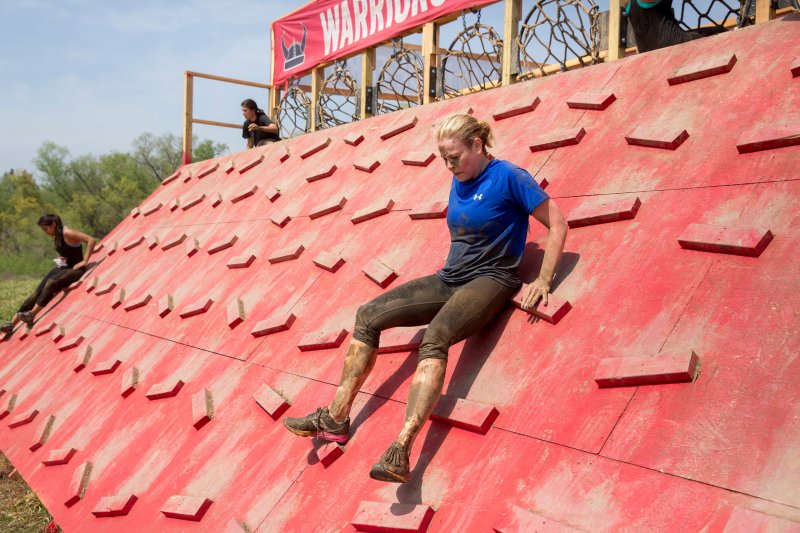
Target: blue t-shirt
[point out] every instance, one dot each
(488, 221)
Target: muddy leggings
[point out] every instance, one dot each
(453, 312)
(56, 280)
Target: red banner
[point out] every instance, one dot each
(324, 30)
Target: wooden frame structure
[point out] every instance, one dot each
(431, 54)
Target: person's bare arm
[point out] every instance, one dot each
(550, 217)
(78, 236)
(272, 128)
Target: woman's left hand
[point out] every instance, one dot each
(532, 292)
(79, 265)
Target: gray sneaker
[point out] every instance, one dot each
(319, 424)
(6, 328)
(27, 318)
(393, 466)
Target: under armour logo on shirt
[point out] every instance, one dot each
(478, 197)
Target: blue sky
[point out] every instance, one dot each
(93, 75)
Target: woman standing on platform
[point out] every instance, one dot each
(70, 266)
(488, 212)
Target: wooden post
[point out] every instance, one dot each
(188, 92)
(765, 11)
(367, 71)
(430, 58)
(274, 102)
(615, 51)
(317, 77)
(513, 12)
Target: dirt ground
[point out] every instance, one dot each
(20, 509)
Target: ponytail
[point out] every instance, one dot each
(46, 220)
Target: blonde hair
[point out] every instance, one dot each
(466, 129)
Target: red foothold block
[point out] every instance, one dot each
(152, 242)
(316, 148)
(236, 313)
(192, 201)
(354, 139)
(373, 211)
(379, 273)
(83, 359)
(465, 414)
(74, 342)
(328, 452)
(106, 367)
(12, 401)
(168, 389)
(197, 308)
(174, 204)
(246, 193)
(165, 305)
(795, 68)
(272, 194)
(77, 488)
(135, 212)
(419, 159)
(44, 330)
(92, 285)
(216, 199)
(172, 177)
(58, 333)
(274, 324)
(47, 428)
(173, 242)
(118, 299)
(286, 254)
(327, 209)
(657, 137)
(367, 165)
(554, 311)
(223, 245)
(228, 166)
(149, 210)
(99, 247)
(401, 340)
(594, 101)
(284, 155)
(404, 124)
(321, 173)
(133, 244)
(725, 240)
(322, 340)
(22, 419)
(652, 370)
(118, 505)
(112, 248)
(241, 261)
(428, 211)
(250, 163)
(515, 109)
(280, 219)
(558, 139)
(271, 401)
(105, 289)
(703, 69)
(329, 261)
(141, 301)
(768, 139)
(186, 507)
(59, 457)
(130, 382)
(384, 517)
(592, 213)
(192, 247)
(208, 170)
(202, 408)
(188, 178)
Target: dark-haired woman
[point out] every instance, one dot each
(70, 266)
(258, 129)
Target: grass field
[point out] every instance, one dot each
(13, 290)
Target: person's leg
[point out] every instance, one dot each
(55, 284)
(24, 313)
(412, 304)
(470, 308)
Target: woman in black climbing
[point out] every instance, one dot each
(491, 202)
(70, 266)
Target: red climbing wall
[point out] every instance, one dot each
(150, 397)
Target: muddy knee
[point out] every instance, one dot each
(364, 329)
(435, 344)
